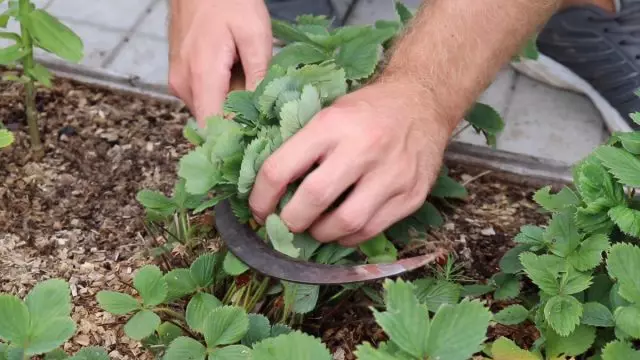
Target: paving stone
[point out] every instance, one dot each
(145, 57)
(550, 123)
(115, 14)
(155, 23)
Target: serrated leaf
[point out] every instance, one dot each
(296, 114)
(359, 58)
(563, 313)
(628, 220)
(540, 272)
(505, 349)
(185, 348)
(280, 329)
(405, 320)
(300, 298)
(617, 350)
(435, 293)
(142, 324)
(156, 200)
(240, 102)
(333, 253)
(306, 244)
(203, 268)
(508, 286)
(231, 352)
(47, 300)
(627, 318)
(379, 250)
(200, 174)
(10, 54)
(511, 315)
(179, 283)
(292, 346)
(280, 236)
(464, 324)
(596, 314)
(630, 141)
(562, 233)
(250, 166)
(117, 303)
(299, 54)
(429, 215)
(50, 334)
(327, 78)
(476, 290)
(167, 332)
(556, 202)
(259, 329)
(589, 254)
(199, 308)
(55, 354)
(623, 166)
(14, 319)
(233, 266)
(530, 235)
(6, 138)
(151, 285)
(510, 261)
(91, 353)
(446, 187)
(53, 36)
(225, 325)
(573, 281)
(578, 342)
(286, 32)
(622, 264)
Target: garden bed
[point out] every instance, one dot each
(74, 214)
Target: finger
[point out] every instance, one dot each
(322, 187)
(290, 161)
(369, 195)
(396, 209)
(179, 85)
(255, 47)
(210, 77)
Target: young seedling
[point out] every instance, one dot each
(38, 30)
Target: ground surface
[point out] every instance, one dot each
(74, 214)
(129, 37)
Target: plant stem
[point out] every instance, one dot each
(172, 313)
(30, 90)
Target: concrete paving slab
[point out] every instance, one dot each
(155, 23)
(547, 122)
(145, 57)
(114, 14)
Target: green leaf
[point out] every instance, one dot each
(185, 348)
(327, 78)
(151, 285)
(285, 32)
(429, 215)
(505, 349)
(446, 187)
(563, 313)
(307, 245)
(476, 290)
(47, 300)
(617, 350)
(510, 262)
(142, 324)
(250, 166)
(299, 54)
(50, 334)
(596, 314)
(464, 324)
(53, 36)
(55, 354)
(622, 264)
(240, 102)
(359, 58)
(405, 320)
(556, 202)
(156, 200)
(225, 325)
(578, 342)
(233, 266)
(333, 253)
(511, 315)
(367, 352)
(542, 271)
(508, 286)
(11, 54)
(200, 174)
(628, 220)
(259, 329)
(179, 283)
(203, 268)
(293, 346)
(300, 298)
(627, 318)
(562, 233)
(630, 141)
(296, 114)
(530, 235)
(231, 352)
(91, 353)
(280, 236)
(117, 303)
(485, 118)
(589, 254)
(573, 281)
(307, 19)
(623, 166)
(379, 250)
(199, 308)
(40, 74)
(435, 293)
(210, 203)
(6, 138)
(403, 12)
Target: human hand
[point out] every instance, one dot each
(205, 40)
(384, 140)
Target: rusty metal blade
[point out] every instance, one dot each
(247, 246)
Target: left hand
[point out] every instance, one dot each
(386, 140)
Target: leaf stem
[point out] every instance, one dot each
(174, 314)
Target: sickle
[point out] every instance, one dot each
(247, 246)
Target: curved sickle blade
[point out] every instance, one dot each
(247, 246)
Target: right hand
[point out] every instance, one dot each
(206, 39)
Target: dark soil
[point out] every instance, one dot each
(74, 215)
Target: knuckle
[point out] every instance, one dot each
(350, 223)
(271, 174)
(316, 193)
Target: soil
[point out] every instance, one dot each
(73, 215)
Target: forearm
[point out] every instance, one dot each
(454, 48)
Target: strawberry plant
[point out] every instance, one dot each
(38, 29)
